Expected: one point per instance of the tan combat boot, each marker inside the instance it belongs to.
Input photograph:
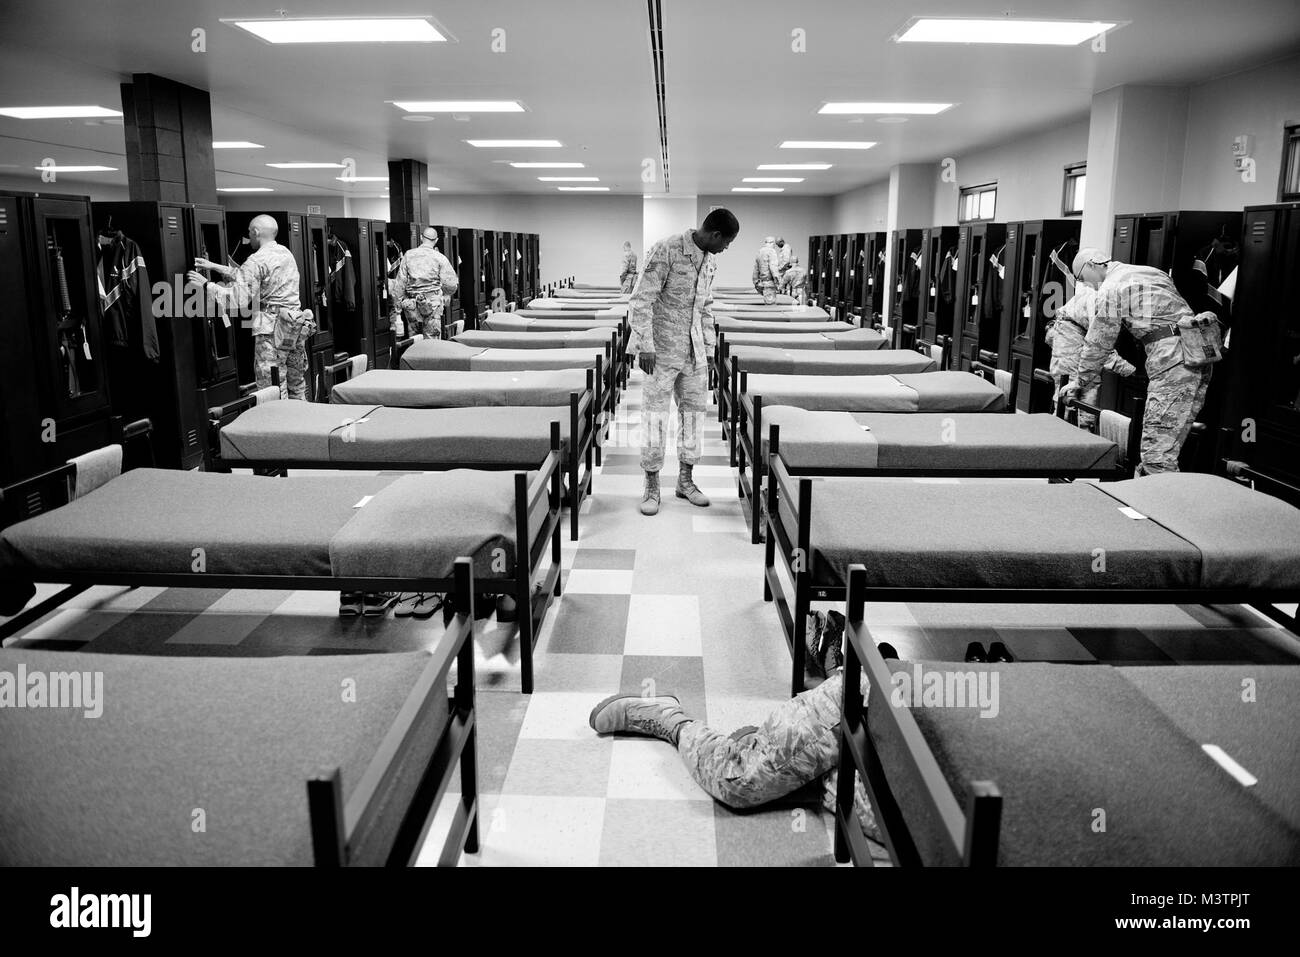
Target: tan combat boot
(687, 489)
(650, 499)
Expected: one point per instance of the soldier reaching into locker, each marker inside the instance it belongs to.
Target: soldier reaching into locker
(767, 270)
(424, 275)
(627, 276)
(794, 279)
(673, 335)
(266, 285)
(1065, 337)
(1181, 349)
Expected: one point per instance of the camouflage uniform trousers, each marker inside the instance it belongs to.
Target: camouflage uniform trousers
(629, 283)
(292, 363)
(682, 379)
(797, 744)
(1174, 397)
(417, 323)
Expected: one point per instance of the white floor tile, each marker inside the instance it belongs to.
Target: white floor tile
(561, 716)
(652, 770)
(663, 625)
(532, 831)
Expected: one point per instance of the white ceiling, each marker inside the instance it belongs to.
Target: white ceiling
(582, 68)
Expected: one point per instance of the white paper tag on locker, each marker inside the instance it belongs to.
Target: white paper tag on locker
(1130, 513)
(975, 299)
(85, 347)
(898, 288)
(871, 281)
(225, 320)
(1026, 312)
(932, 292)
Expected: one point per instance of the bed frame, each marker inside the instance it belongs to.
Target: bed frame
(51, 489)
(609, 381)
(972, 831)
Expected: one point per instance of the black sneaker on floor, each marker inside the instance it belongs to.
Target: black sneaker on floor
(350, 604)
(376, 603)
(1000, 653)
(975, 653)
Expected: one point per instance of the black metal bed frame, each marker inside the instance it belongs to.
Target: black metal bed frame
(51, 489)
(972, 832)
(580, 482)
(747, 434)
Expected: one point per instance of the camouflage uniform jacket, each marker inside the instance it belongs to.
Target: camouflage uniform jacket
(423, 271)
(671, 307)
(1065, 336)
(767, 266)
(266, 283)
(1146, 301)
(629, 267)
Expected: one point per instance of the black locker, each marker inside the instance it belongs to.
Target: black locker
(51, 411)
(320, 348)
(906, 283)
(217, 370)
(378, 292)
(1032, 289)
(473, 293)
(166, 391)
(976, 312)
(1262, 368)
(535, 244)
(810, 283)
(825, 269)
(873, 276)
(355, 328)
(490, 270)
(936, 292)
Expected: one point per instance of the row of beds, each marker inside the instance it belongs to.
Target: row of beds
(502, 424)
(818, 412)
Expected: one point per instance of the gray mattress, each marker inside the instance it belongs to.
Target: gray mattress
(1200, 531)
(925, 392)
(940, 440)
(856, 339)
(617, 306)
(774, 314)
(318, 433)
(515, 322)
(151, 520)
(779, 328)
(569, 315)
(761, 360)
(748, 298)
(238, 737)
(437, 355)
(585, 338)
(459, 390)
(1068, 739)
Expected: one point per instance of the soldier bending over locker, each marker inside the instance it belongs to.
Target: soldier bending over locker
(424, 275)
(1065, 337)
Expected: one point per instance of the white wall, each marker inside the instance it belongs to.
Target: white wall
(1029, 172)
(862, 210)
(663, 216)
(793, 217)
(1259, 102)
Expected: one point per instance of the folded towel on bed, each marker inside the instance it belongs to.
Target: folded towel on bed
(1114, 428)
(270, 394)
(95, 468)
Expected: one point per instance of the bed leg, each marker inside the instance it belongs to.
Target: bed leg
(851, 717)
(325, 811)
(802, 575)
(575, 497)
(463, 702)
(523, 582)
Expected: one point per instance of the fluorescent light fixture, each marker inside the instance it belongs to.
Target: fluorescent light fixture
(342, 30)
(583, 189)
(772, 179)
(568, 179)
(924, 109)
(307, 165)
(515, 144)
(458, 106)
(236, 145)
(244, 189)
(1000, 30)
(362, 179)
(549, 165)
(77, 169)
(827, 145)
(55, 112)
(758, 189)
(793, 166)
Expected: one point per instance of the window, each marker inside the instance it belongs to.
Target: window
(977, 202)
(1289, 188)
(1076, 182)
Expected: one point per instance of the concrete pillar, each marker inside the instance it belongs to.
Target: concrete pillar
(168, 130)
(408, 191)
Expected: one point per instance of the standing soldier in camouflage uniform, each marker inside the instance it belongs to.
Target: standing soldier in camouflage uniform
(784, 254)
(1180, 349)
(423, 276)
(1065, 337)
(799, 742)
(793, 279)
(767, 270)
(267, 285)
(627, 278)
(672, 333)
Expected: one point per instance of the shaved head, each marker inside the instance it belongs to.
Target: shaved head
(430, 235)
(266, 225)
